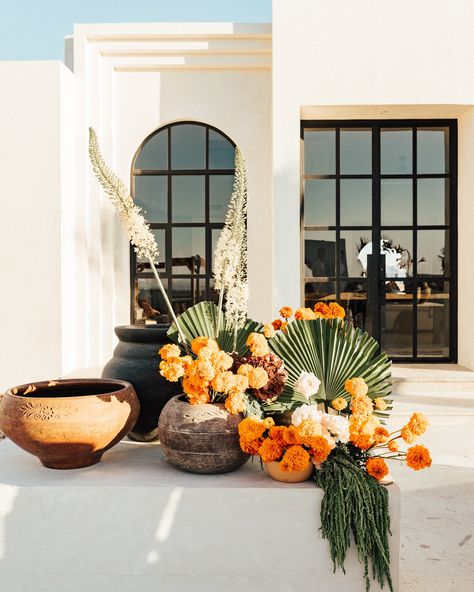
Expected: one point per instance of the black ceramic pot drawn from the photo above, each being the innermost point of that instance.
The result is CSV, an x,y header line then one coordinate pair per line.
x,y
136,360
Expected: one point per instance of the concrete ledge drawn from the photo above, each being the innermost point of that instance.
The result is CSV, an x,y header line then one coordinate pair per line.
x,y
133,520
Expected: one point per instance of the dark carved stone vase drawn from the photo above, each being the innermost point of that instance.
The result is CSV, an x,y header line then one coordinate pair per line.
x,y
136,360
201,438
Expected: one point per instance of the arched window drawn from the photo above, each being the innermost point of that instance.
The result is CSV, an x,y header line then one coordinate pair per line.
x,y
182,177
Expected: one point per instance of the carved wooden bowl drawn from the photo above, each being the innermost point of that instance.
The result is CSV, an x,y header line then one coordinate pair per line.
x,y
200,438
69,424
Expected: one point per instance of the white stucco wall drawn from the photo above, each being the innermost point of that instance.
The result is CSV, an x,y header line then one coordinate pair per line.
x,y
30,229
130,80
372,59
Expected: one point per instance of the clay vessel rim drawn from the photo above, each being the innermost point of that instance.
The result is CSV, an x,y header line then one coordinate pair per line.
x,y
43,384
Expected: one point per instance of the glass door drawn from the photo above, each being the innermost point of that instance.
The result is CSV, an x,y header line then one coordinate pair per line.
x,y
378,199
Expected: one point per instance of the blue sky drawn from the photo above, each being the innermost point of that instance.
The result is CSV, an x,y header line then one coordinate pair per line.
x,y
35,29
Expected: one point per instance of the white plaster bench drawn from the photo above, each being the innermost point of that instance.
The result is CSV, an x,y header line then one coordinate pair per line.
x,y
133,522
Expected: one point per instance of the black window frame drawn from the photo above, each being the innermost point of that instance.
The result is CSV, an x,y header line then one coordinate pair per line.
x,y
196,279
376,176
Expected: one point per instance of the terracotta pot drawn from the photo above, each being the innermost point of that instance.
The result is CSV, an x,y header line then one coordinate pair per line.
x,y
69,424
136,360
200,438
273,469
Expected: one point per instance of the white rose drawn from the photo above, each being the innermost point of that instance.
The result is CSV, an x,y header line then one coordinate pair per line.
x,y
305,412
307,384
337,425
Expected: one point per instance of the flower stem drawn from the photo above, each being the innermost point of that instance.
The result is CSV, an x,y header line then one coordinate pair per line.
x,y
182,338
219,312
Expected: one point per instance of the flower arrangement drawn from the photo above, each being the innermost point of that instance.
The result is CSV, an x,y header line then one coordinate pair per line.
x,y
349,446
215,376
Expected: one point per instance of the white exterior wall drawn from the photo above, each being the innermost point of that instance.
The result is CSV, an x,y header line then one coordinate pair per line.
x,y
372,59
30,229
130,80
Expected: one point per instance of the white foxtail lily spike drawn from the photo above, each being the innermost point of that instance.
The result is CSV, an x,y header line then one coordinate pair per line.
x,y
230,261
139,233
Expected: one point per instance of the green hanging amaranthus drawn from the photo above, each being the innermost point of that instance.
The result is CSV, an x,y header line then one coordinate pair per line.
x,y
354,502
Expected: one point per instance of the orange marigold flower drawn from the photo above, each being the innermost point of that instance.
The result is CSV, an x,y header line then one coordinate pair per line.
x,y
185,361
376,467
336,310
250,446
339,404
418,424
283,327
277,433
304,314
257,377
221,361
244,369
258,344
361,405
363,441
223,382
270,450
172,369
296,458
381,435
418,457
322,308
251,428
393,446
286,312
269,330
380,404
276,324
309,428
356,387
291,436
407,435
197,394
202,371
235,402
320,449
170,350
199,342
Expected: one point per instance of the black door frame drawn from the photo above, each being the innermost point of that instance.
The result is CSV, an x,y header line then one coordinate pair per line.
x,y
377,280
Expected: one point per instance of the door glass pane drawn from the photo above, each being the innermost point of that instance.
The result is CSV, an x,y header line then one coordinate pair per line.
x,y
187,292
397,325
356,202
320,202
353,250
432,253
143,265
317,291
320,152
356,151
396,202
189,250
221,152
153,154
397,246
353,297
188,147
148,302
433,202
220,191
151,194
433,318
188,196
320,253
396,151
432,150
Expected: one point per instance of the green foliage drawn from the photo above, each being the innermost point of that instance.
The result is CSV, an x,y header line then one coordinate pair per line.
x,y
201,320
334,351
354,502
